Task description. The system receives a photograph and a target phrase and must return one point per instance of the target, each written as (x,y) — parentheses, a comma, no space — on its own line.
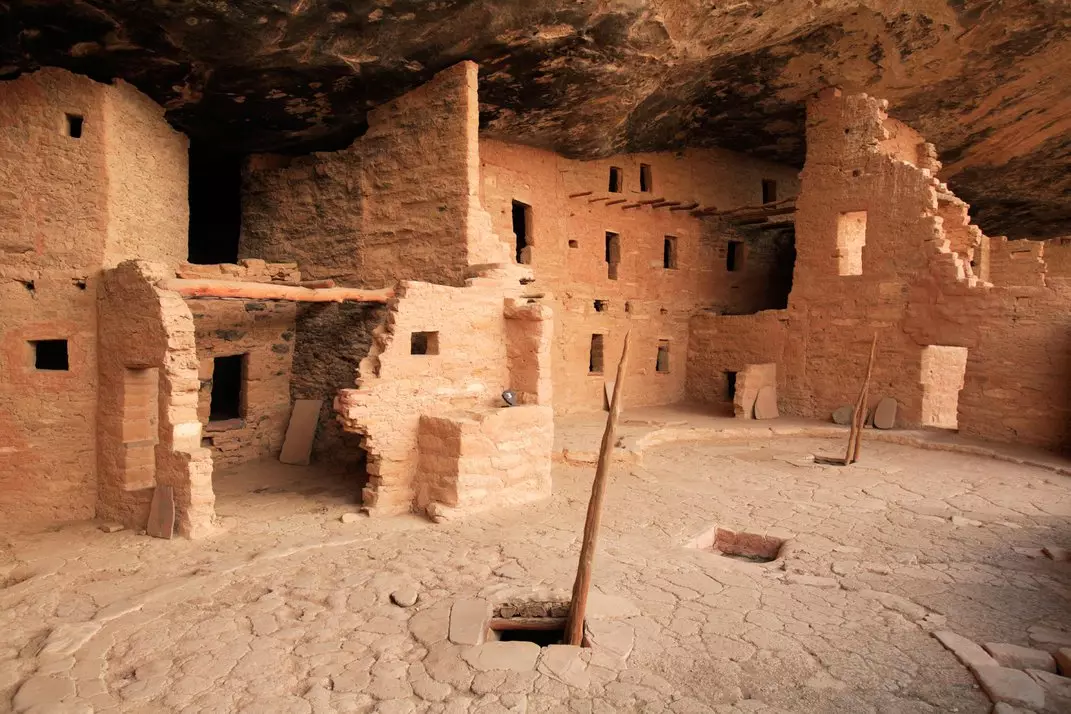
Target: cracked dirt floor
(289,610)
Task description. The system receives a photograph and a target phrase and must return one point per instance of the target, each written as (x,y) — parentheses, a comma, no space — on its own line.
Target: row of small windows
(596,355)
(617,179)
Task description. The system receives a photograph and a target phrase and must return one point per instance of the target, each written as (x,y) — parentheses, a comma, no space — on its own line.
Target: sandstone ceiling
(989,81)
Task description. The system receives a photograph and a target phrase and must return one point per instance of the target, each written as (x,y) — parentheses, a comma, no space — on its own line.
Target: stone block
(965,650)
(1010,686)
(468,621)
(1018,657)
(516,656)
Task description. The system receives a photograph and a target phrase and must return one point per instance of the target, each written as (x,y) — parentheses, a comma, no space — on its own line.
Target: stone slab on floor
(885,414)
(1018,657)
(965,650)
(1010,686)
(468,621)
(516,656)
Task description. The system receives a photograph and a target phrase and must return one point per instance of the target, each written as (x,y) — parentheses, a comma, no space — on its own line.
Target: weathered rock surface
(984,81)
(1018,657)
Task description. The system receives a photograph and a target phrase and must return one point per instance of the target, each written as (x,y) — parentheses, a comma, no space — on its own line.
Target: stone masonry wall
(400,203)
(263,334)
(464,367)
(147,413)
(904,271)
(72,153)
(568,254)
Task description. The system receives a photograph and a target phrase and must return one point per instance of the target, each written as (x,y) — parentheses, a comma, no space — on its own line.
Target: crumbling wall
(147,412)
(883,248)
(442,350)
(570,215)
(72,181)
(400,203)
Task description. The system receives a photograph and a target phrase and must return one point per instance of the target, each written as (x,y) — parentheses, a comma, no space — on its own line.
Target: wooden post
(574,626)
(855,434)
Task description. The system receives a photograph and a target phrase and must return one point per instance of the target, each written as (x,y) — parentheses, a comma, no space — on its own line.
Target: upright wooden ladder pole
(855,434)
(574,626)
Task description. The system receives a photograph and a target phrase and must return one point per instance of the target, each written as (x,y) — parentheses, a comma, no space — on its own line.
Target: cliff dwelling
(503,357)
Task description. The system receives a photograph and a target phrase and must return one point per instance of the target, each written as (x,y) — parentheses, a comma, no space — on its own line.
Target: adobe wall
(147,412)
(65,213)
(910,280)
(654,302)
(400,203)
(464,369)
(262,332)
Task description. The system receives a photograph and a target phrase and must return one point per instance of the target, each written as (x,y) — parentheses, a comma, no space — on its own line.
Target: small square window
(73,126)
(601,305)
(615,179)
(50,355)
(424,343)
(574,244)
(645,178)
(662,361)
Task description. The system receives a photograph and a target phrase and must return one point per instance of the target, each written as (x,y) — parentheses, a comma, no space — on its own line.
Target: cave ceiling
(989,82)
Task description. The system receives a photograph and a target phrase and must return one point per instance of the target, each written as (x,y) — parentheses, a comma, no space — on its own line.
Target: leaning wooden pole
(574,626)
(855,434)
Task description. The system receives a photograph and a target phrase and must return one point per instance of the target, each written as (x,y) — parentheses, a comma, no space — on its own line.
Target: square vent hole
(740,545)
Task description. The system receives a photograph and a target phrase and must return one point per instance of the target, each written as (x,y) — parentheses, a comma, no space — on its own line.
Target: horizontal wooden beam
(271,291)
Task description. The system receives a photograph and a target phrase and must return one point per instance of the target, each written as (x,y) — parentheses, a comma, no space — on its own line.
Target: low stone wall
(476,460)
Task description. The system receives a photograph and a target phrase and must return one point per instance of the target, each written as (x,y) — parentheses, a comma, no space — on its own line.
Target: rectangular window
(595,356)
(613,254)
(730,386)
(522,229)
(662,361)
(769,190)
(615,180)
(669,253)
(73,126)
(645,178)
(574,244)
(734,256)
(601,305)
(424,343)
(228,380)
(851,237)
(50,355)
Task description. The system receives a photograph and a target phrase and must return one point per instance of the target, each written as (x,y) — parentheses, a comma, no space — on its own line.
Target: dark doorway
(645,178)
(215,195)
(522,228)
(595,355)
(613,254)
(615,179)
(228,374)
(734,255)
(769,190)
(730,386)
(669,253)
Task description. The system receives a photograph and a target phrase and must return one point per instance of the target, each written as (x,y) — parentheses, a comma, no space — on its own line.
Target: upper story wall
(400,203)
(91,174)
(567,235)
(569,212)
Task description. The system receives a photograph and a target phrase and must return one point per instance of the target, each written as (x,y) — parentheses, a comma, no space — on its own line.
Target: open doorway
(942,374)
(522,229)
(215,194)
